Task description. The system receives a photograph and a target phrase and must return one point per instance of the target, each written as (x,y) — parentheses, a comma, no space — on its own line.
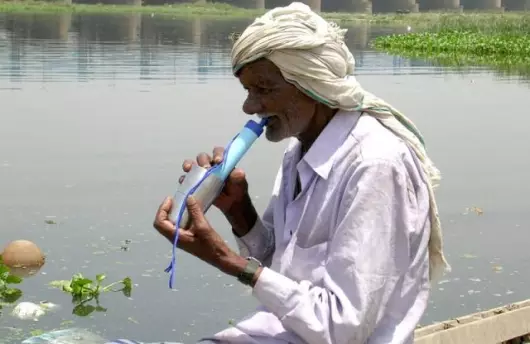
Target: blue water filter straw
(206,184)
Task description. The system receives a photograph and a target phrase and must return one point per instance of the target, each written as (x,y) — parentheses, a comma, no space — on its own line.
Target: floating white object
(32,311)
(28,311)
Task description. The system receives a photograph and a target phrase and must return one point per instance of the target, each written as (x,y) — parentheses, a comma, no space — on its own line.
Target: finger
(195,211)
(186,238)
(218,153)
(204,160)
(187,164)
(162,215)
(163,210)
(223,203)
(167,230)
(237,176)
(236,182)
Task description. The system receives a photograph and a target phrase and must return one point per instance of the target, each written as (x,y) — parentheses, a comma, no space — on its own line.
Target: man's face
(289,110)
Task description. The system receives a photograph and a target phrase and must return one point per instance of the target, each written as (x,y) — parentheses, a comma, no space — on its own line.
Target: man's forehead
(261,71)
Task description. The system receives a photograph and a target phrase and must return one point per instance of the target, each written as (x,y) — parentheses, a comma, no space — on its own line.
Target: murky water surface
(98,112)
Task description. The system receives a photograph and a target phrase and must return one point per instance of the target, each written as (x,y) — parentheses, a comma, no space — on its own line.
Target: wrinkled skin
(292,114)
(290,111)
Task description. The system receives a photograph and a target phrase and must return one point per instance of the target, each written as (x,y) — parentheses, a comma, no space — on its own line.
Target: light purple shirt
(347,259)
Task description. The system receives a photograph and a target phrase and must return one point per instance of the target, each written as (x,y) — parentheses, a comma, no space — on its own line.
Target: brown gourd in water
(23,257)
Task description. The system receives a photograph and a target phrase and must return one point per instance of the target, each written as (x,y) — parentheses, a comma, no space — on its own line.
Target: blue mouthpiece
(257,128)
(239,146)
(264,121)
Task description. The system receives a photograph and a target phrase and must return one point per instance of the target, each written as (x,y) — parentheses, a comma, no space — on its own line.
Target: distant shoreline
(224,11)
(210,10)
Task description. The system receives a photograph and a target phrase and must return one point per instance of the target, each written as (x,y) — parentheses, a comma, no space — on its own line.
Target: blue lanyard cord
(171,267)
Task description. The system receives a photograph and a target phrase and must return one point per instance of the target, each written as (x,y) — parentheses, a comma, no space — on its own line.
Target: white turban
(311,54)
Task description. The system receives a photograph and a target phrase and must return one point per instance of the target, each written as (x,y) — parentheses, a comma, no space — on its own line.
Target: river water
(98,112)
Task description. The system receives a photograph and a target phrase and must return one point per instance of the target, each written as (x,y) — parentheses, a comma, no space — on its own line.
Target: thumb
(195,211)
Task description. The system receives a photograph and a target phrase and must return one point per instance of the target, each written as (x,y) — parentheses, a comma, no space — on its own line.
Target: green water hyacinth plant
(85,290)
(8,294)
(507,51)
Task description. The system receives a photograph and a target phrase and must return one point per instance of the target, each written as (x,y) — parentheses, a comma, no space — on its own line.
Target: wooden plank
(489,327)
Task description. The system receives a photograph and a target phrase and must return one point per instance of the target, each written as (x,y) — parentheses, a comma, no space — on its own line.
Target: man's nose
(252,105)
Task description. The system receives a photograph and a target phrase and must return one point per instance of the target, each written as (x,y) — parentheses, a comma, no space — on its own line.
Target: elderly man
(346,250)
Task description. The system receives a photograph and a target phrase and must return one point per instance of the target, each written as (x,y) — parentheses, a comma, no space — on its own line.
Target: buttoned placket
(293,215)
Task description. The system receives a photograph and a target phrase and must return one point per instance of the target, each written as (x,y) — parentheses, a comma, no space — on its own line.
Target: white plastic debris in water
(32,311)
(68,336)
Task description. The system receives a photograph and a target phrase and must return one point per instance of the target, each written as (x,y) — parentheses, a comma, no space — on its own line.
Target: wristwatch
(247,275)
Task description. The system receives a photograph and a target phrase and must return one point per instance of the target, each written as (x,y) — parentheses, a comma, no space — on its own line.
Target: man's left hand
(200,239)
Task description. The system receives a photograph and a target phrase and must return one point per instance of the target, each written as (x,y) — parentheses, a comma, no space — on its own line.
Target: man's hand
(200,240)
(234,200)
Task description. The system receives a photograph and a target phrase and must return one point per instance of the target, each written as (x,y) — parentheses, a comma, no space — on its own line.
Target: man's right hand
(234,201)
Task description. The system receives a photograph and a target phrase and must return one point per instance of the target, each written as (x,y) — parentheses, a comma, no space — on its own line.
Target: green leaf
(81,298)
(77,290)
(11,295)
(100,277)
(3,269)
(12,279)
(126,292)
(127,287)
(61,284)
(127,282)
(81,282)
(83,310)
(81,286)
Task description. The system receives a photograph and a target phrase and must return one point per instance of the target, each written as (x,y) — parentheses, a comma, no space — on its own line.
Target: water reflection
(99,111)
(145,47)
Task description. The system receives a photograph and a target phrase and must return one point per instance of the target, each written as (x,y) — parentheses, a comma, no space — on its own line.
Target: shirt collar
(320,156)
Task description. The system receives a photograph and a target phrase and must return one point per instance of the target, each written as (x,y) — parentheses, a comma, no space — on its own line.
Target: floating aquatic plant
(507,51)
(85,290)
(8,294)
(460,43)
(500,40)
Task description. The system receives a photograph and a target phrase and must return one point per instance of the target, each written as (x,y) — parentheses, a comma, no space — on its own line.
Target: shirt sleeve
(368,256)
(259,241)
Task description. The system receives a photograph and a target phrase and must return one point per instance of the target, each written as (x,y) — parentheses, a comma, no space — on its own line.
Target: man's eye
(263,90)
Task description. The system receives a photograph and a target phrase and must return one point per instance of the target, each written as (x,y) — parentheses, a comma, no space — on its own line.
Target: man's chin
(272,136)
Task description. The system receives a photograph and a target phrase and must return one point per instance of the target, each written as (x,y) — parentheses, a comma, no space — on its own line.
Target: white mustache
(265,115)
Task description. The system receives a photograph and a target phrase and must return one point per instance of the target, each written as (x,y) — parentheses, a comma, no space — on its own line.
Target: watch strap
(247,275)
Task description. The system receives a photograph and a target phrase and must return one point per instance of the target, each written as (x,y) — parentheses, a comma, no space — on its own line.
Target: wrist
(242,217)
(233,265)
(236,265)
